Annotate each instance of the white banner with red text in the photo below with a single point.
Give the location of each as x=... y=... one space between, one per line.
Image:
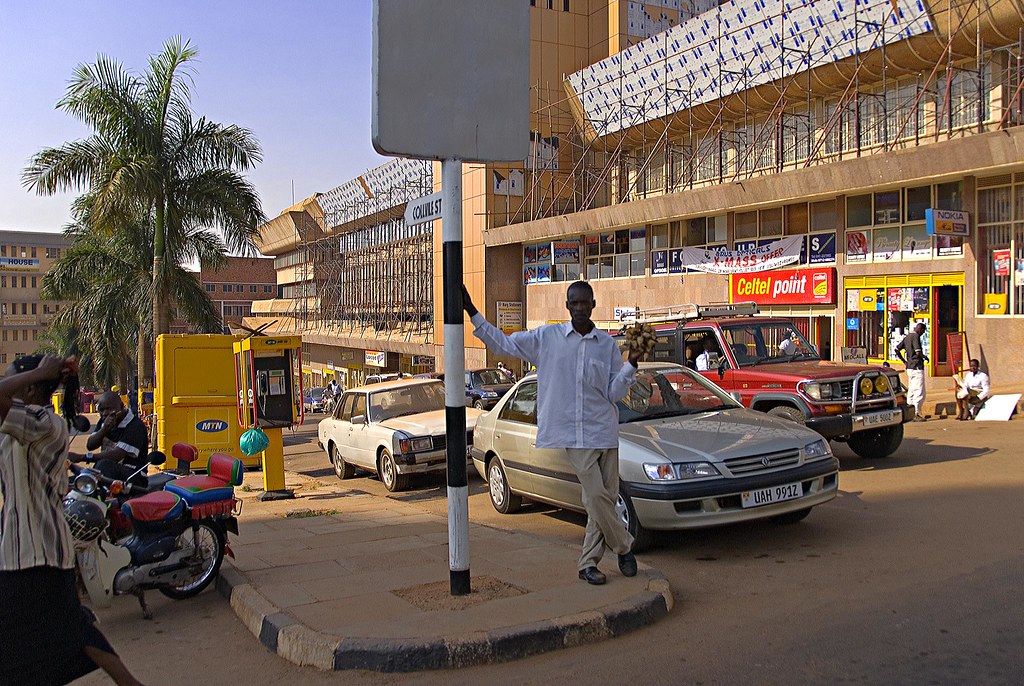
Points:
x=757 y=259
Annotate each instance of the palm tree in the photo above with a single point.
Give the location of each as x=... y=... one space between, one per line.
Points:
x=105 y=278
x=147 y=150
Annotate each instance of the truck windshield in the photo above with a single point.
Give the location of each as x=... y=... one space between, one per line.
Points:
x=767 y=343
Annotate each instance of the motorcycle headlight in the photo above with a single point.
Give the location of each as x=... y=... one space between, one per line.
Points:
x=679 y=471
x=816 y=450
x=85 y=484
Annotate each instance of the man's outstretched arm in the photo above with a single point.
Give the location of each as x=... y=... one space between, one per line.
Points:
x=522 y=344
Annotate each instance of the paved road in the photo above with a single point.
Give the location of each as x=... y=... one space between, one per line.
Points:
x=911 y=576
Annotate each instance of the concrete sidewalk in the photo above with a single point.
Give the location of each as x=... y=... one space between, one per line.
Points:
x=341 y=579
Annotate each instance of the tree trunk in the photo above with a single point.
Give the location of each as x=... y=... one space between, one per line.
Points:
x=158 y=265
x=144 y=364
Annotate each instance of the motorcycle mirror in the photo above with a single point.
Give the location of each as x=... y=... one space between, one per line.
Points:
x=81 y=423
x=156 y=457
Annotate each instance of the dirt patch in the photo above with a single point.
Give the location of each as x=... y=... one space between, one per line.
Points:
x=437 y=595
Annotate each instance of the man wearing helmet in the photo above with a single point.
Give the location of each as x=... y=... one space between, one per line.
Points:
x=47 y=637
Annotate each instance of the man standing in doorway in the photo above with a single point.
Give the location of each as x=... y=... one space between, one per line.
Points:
x=911 y=353
x=580 y=377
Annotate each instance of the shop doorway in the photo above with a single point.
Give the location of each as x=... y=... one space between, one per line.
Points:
x=946 y=321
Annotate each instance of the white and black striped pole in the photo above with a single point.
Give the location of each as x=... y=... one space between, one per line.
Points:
x=454 y=372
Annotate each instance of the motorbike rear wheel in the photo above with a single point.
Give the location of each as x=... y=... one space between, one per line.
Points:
x=210 y=539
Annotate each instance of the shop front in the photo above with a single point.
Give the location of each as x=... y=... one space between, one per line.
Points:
x=807 y=297
x=881 y=310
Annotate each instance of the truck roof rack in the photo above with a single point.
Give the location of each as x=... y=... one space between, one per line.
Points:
x=687 y=311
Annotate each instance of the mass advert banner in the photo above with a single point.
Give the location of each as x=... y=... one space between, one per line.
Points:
x=756 y=259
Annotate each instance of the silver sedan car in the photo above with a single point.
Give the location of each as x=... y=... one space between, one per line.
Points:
x=689 y=456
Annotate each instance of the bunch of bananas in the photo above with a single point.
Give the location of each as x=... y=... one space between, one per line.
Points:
x=639 y=337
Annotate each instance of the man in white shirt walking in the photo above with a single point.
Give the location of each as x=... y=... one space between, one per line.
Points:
x=973 y=392
x=580 y=377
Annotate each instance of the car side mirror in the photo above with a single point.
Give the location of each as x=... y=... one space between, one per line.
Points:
x=359 y=419
x=721 y=369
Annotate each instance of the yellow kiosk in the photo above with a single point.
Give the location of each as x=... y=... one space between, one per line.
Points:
x=268 y=390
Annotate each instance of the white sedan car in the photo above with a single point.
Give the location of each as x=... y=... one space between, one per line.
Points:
x=689 y=456
x=395 y=429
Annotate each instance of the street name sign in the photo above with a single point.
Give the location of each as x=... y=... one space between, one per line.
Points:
x=425 y=209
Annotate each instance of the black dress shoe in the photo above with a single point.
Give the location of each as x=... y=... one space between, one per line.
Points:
x=627 y=564
x=593 y=575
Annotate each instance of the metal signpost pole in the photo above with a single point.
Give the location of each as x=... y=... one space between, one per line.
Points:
x=454 y=371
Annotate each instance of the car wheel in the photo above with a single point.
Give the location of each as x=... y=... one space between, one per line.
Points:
x=387 y=470
x=642 y=536
x=502 y=497
x=343 y=470
x=792 y=517
x=788 y=413
x=876 y=444
x=479 y=404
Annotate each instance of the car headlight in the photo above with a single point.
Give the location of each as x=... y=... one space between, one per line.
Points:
x=818 y=391
x=881 y=383
x=415 y=445
x=867 y=385
x=489 y=394
x=816 y=450
x=679 y=471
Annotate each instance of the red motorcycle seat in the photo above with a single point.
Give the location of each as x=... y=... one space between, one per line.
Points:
x=154 y=507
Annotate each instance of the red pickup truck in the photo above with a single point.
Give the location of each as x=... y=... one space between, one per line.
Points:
x=767 y=364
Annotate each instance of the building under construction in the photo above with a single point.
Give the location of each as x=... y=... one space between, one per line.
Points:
x=663 y=127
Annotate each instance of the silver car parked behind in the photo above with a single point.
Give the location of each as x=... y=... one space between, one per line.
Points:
x=689 y=456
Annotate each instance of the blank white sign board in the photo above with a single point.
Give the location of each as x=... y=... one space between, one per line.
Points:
x=451 y=79
x=998 y=408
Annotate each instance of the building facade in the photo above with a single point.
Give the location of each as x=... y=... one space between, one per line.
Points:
x=25 y=257
x=878 y=141
x=238 y=285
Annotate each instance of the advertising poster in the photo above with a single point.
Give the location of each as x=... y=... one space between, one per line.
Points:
x=659 y=262
x=529 y=254
x=921 y=299
x=529 y=275
x=949 y=246
x=853 y=299
x=510 y=316
x=759 y=258
x=886 y=247
x=785 y=286
x=917 y=244
x=1001 y=262
x=867 y=300
x=567 y=252
x=544 y=273
x=821 y=248
x=675 y=261
x=856 y=246
x=544 y=252
x=1019 y=273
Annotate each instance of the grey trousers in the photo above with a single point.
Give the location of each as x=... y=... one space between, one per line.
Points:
x=598 y=471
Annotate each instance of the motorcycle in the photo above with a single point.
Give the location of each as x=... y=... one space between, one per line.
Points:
x=178 y=535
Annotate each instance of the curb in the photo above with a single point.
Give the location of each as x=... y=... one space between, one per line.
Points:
x=284 y=636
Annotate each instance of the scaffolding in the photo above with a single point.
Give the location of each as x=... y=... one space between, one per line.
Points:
x=371 y=274
x=894 y=91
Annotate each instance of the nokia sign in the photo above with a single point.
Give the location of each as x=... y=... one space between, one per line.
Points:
x=211 y=426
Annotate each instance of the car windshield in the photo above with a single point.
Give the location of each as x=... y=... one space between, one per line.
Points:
x=671 y=392
x=406 y=400
x=314 y=392
x=490 y=377
x=754 y=343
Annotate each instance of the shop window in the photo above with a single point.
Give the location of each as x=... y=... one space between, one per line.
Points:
x=3 y=251
x=696 y=231
x=33 y=251
x=746 y=225
x=950 y=196
x=823 y=215
x=619 y=254
x=3 y=282
x=887 y=207
x=858 y=210
x=918 y=200
x=718 y=229
x=994 y=205
x=796 y=219
x=552 y=261
x=771 y=222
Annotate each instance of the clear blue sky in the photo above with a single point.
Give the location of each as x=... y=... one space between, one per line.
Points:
x=296 y=74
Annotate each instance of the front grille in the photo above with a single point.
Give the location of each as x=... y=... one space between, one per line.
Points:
x=752 y=464
x=441 y=442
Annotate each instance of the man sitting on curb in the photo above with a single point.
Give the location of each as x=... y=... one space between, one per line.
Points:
x=972 y=392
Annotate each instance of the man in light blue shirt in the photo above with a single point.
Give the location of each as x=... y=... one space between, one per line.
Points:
x=580 y=377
